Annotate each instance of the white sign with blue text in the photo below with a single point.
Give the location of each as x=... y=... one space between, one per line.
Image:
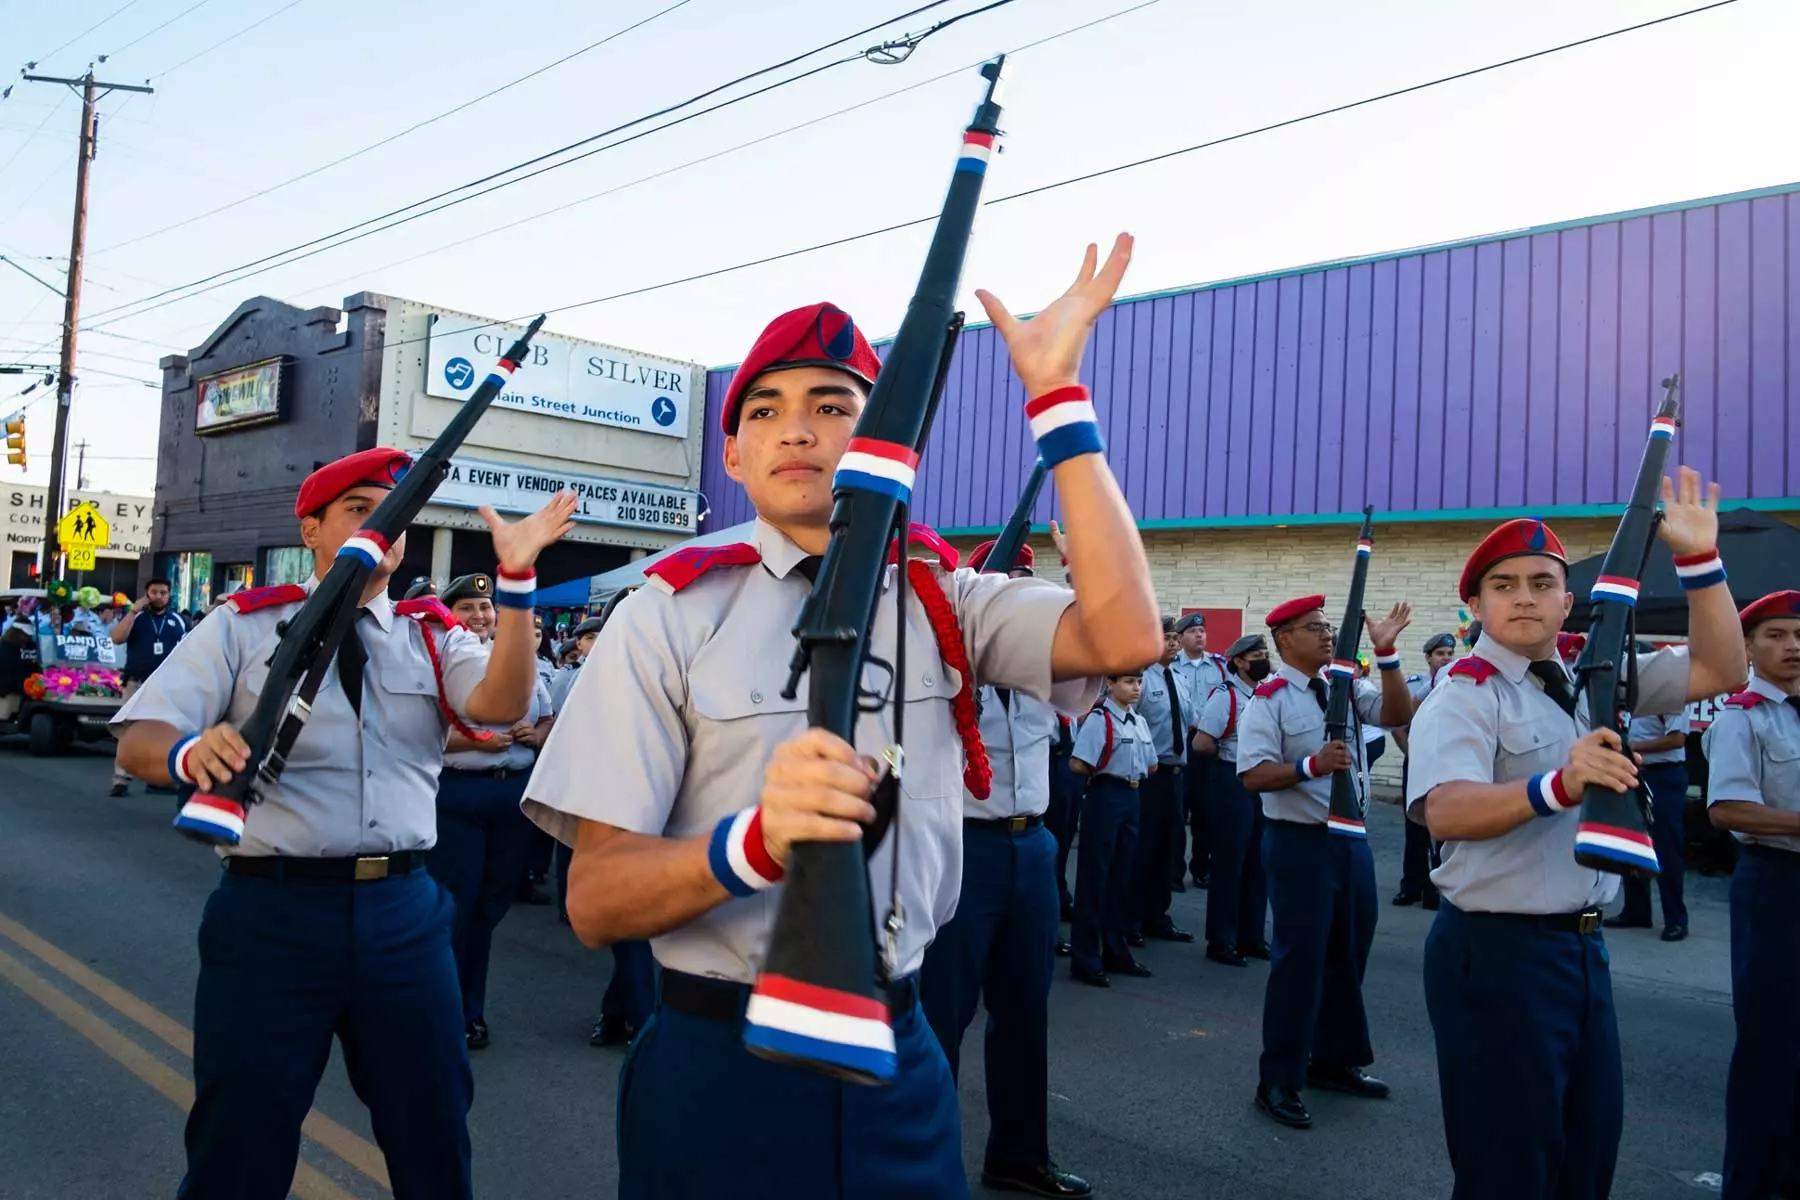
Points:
x=577 y=381
x=516 y=488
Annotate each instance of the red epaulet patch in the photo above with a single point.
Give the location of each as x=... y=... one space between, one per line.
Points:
x=1478 y=669
x=684 y=566
x=1269 y=687
x=1745 y=699
x=250 y=600
x=427 y=608
x=925 y=535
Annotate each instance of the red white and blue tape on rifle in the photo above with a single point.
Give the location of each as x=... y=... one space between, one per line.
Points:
x=877 y=466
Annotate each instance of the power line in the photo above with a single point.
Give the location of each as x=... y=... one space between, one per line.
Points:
x=32 y=66
x=32 y=136
x=492 y=176
x=228 y=40
x=158 y=28
x=394 y=137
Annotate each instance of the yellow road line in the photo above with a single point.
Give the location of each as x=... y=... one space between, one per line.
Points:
x=347 y=1145
x=309 y=1183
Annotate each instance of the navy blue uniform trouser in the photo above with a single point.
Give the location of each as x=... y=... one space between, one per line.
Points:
x=285 y=966
x=631 y=993
x=1195 y=781
x=483 y=842
x=1419 y=856
x=1160 y=799
x=1063 y=819
x=700 y=1117
x=997 y=953
x=1105 y=874
x=1528 y=1057
x=1237 y=899
x=1322 y=892
x=1762 y=1114
x=1668 y=784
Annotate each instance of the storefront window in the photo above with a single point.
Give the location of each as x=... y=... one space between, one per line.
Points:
x=191 y=581
x=237 y=577
x=286 y=564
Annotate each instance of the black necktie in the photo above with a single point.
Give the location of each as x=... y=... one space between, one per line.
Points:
x=1175 y=725
x=1794 y=703
x=352 y=659
x=1317 y=687
x=809 y=567
x=1556 y=684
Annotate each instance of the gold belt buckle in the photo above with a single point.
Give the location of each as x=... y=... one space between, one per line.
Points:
x=371 y=868
x=1017 y=823
x=1590 y=921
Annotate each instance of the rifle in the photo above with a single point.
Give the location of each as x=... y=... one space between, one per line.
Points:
x=310 y=639
x=1614 y=830
x=818 y=1002
x=1346 y=814
x=1007 y=547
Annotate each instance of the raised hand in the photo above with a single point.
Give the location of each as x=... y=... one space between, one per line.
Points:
x=1046 y=349
x=1690 y=525
x=1383 y=633
x=517 y=544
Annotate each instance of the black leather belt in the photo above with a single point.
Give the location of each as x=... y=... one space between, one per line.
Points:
x=723 y=1000
x=1772 y=853
x=1585 y=921
x=1170 y=768
x=489 y=772
x=1127 y=783
x=365 y=868
x=1015 y=824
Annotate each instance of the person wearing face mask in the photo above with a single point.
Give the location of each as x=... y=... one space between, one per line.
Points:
x=1237 y=899
x=1419 y=856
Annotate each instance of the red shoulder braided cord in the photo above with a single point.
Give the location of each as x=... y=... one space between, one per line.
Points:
x=437 y=671
x=978 y=772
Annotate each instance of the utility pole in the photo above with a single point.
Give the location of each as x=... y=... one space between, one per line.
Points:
x=81 y=465
x=91 y=92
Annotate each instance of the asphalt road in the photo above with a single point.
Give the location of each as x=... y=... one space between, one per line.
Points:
x=1151 y=1081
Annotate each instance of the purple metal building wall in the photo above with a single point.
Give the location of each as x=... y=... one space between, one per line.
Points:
x=1499 y=376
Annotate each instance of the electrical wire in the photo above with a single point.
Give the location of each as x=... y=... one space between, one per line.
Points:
x=157 y=28
x=42 y=58
x=226 y=41
x=32 y=136
x=394 y=137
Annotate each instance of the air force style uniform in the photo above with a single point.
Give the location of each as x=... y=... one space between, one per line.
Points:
x=1169 y=706
x=1418 y=858
x=1203 y=674
x=1664 y=773
x=681 y=701
x=1238 y=896
x=1321 y=885
x=1115 y=743
x=1516 y=975
x=323 y=921
x=1753 y=755
x=564 y=682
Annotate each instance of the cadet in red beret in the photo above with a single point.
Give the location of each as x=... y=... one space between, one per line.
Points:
x=1321 y=885
x=979 y=555
x=1528 y=1044
x=345 y=829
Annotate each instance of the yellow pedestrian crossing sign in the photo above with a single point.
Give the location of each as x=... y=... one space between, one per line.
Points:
x=84 y=527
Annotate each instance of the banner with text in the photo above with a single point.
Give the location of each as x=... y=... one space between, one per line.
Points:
x=578 y=381
x=513 y=488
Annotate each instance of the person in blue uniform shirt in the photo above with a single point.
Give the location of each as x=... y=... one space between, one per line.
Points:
x=1114 y=753
x=1660 y=743
x=997 y=953
x=1418 y=857
x=712 y=774
x=1203 y=671
x=1237 y=899
x=1168 y=706
x=582 y=639
x=149 y=632
x=1517 y=982
x=1321 y=882
x=323 y=922
x=483 y=838
x=1753 y=754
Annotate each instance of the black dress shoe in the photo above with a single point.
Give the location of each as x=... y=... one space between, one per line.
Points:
x=1171 y=934
x=1063 y=949
x=612 y=1031
x=1283 y=1105
x=1623 y=922
x=1047 y=1180
x=1674 y=933
x=1352 y=1081
x=1227 y=955
x=476 y=1035
x=117 y=790
x=1091 y=978
x=1131 y=967
x=1402 y=899
x=1135 y=940
x=1255 y=950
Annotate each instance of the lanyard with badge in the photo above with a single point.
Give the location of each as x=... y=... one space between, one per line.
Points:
x=157 y=625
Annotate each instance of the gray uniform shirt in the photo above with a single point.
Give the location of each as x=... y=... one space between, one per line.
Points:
x=1158 y=710
x=351 y=786
x=515 y=757
x=1222 y=712
x=1288 y=725
x=1753 y=756
x=1132 y=752
x=561 y=684
x=1507 y=729
x=1648 y=728
x=670 y=724
x=1203 y=674
x=1017 y=735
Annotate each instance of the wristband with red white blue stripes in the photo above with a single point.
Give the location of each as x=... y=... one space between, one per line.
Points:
x=1389 y=659
x=1701 y=570
x=739 y=859
x=515 y=589
x=1308 y=767
x=178 y=768
x=1547 y=794
x=1063 y=422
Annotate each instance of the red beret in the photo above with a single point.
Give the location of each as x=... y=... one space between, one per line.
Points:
x=1515 y=539
x=978 y=556
x=819 y=335
x=1775 y=604
x=1281 y=614
x=380 y=467
x=1569 y=645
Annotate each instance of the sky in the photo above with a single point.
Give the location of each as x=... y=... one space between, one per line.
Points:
x=250 y=93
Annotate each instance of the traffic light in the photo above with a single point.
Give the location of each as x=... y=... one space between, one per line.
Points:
x=15 y=439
